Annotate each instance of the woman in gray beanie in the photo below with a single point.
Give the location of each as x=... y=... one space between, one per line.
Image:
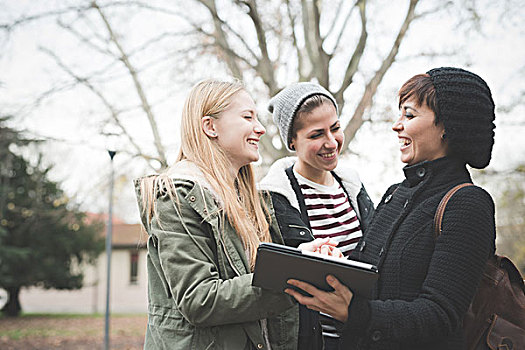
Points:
x=314 y=194
x=426 y=282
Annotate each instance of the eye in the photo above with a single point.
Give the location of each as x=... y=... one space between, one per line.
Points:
x=315 y=136
x=409 y=115
x=336 y=128
x=249 y=117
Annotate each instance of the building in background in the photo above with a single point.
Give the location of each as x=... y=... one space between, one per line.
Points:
x=128 y=292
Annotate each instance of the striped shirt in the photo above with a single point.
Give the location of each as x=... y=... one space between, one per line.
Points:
x=330 y=215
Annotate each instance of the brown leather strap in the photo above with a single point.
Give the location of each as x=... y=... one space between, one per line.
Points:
x=438 y=217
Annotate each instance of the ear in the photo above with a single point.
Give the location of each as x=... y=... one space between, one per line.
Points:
x=292 y=147
x=208 y=126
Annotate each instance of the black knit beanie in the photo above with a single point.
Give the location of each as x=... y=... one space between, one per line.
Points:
x=466 y=108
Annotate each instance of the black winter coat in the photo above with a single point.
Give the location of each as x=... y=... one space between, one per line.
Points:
x=426 y=284
x=295 y=226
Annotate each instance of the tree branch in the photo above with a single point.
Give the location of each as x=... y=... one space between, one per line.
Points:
x=138 y=87
x=264 y=63
x=371 y=88
x=112 y=110
x=312 y=56
x=303 y=76
x=337 y=14
x=322 y=65
x=342 y=31
x=353 y=64
x=221 y=39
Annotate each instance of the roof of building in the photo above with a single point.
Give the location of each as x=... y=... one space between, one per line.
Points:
x=123 y=235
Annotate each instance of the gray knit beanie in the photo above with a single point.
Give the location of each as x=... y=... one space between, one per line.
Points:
x=466 y=109
x=285 y=104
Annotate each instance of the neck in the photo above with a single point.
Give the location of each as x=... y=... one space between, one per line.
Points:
x=319 y=176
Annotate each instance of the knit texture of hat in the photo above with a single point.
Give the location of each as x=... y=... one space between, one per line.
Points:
x=466 y=108
x=285 y=104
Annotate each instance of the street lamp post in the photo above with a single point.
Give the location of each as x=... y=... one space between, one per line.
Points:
x=108 y=250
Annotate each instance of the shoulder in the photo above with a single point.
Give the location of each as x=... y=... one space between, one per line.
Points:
x=470 y=202
x=276 y=178
x=279 y=201
x=349 y=177
x=276 y=181
x=389 y=192
x=347 y=173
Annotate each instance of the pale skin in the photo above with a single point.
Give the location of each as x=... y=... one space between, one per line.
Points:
x=237 y=131
x=421 y=139
x=324 y=246
x=318 y=144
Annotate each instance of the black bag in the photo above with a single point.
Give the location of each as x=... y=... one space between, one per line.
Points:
x=496 y=317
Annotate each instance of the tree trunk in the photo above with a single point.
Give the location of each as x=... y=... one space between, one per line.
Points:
x=12 y=308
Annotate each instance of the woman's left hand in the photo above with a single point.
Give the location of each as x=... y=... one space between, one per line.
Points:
x=332 y=303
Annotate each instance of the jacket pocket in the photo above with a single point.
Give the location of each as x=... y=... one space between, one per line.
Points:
x=171 y=319
x=168 y=329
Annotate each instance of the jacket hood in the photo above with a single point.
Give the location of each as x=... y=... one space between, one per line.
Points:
x=182 y=170
x=277 y=181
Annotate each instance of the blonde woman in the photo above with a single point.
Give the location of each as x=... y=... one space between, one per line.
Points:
x=205 y=219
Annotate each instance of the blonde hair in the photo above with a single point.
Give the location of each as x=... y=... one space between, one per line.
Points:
x=241 y=202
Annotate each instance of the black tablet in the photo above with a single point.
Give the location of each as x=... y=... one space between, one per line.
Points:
x=275 y=264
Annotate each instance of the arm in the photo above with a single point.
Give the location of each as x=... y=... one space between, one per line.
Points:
x=455 y=269
x=189 y=261
x=454 y=272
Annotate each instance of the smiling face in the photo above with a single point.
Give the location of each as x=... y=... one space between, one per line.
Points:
x=318 y=142
x=419 y=137
x=237 y=131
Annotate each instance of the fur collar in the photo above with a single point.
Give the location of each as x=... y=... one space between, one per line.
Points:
x=277 y=181
x=188 y=170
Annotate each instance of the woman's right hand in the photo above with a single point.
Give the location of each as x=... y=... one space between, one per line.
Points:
x=333 y=303
x=325 y=246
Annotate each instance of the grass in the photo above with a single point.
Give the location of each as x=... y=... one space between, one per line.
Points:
x=71 y=331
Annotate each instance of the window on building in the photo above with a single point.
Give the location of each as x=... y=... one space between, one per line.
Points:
x=134 y=267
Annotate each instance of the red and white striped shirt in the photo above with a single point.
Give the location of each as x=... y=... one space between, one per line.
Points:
x=330 y=213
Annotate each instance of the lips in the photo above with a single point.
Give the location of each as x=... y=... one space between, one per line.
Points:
x=254 y=142
x=404 y=142
x=328 y=155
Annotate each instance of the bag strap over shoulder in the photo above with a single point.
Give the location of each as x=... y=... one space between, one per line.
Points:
x=438 y=217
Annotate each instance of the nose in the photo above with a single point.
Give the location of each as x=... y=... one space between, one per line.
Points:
x=331 y=141
x=398 y=125
x=259 y=128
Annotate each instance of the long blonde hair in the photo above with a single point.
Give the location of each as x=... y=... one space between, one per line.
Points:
x=241 y=202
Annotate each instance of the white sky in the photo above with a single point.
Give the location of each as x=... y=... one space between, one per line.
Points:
x=497 y=54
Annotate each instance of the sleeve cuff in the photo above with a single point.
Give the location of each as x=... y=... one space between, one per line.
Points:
x=358 y=315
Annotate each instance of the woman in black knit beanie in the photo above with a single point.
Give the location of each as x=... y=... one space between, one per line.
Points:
x=426 y=283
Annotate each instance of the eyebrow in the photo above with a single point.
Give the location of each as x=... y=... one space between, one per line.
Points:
x=409 y=107
x=249 y=111
x=319 y=130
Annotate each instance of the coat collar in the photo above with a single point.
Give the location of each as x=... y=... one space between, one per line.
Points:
x=277 y=181
x=188 y=170
x=440 y=169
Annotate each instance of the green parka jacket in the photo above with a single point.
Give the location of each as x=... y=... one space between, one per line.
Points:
x=199 y=281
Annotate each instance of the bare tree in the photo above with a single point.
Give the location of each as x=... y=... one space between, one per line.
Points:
x=273 y=42
x=314 y=44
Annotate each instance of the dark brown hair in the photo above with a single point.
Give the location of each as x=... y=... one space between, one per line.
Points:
x=306 y=107
x=421 y=88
